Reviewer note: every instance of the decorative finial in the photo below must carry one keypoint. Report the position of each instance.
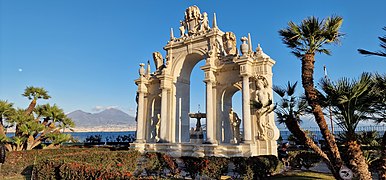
(250, 42)
(171, 34)
(244, 46)
(214, 21)
(258, 49)
(141, 69)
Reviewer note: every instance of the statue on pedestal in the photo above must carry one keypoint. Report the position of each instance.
(235, 122)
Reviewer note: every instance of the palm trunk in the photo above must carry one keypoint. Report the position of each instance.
(313, 100)
(358, 161)
(31, 107)
(382, 169)
(294, 128)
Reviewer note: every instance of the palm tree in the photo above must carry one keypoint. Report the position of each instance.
(305, 40)
(381, 53)
(352, 102)
(6, 110)
(380, 88)
(289, 110)
(34, 93)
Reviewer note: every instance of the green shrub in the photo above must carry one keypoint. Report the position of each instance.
(308, 159)
(256, 167)
(21, 162)
(214, 167)
(89, 165)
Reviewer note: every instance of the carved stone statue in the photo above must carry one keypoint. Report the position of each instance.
(229, 43)
(204, 23)
(158, 60)
(157, 127)
(182, 29)
(265, 106)
(235, 122)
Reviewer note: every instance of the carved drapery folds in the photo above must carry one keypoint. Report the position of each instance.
(263, 104)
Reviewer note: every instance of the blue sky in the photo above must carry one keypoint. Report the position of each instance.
(86, 53)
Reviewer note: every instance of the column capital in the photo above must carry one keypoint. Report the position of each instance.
(142, 88)
(166, 81)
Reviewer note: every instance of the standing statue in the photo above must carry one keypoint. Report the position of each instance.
(229, 43)
(158, 61)
(235, 122)
(157, 127)
(204, 23)
(182, 29)
(264, 106)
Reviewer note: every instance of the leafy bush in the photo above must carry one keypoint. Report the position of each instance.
(21, 162)
(213, 167)
(306, 159)
(256, 167)
(89, 165)
(309, 159)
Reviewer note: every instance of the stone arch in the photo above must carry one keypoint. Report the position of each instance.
(153, 109)
(223, 111)
(182, 92)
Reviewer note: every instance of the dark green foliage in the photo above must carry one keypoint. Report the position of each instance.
(213, 167)
(306, 159)
(256, 167)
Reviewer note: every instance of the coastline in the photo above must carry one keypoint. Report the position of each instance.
(103, 129)
(96, 129)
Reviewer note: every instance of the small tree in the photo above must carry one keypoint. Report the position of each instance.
(36, 124)
(352, 102)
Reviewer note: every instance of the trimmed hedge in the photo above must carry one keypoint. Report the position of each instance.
(101, 163)
(213, 167)
(86, 165)
(21, 162)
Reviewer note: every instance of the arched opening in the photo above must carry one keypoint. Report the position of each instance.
(186, 92)
(154, 110)
(230, 98)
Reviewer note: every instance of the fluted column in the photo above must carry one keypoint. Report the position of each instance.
(246, 110)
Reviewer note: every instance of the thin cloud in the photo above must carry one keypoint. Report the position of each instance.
(102, 108)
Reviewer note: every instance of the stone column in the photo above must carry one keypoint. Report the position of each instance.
(140, 118)
(164, 114)
(210, 138)
(246, 110)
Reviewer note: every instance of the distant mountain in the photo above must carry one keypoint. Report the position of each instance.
(107, 119)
